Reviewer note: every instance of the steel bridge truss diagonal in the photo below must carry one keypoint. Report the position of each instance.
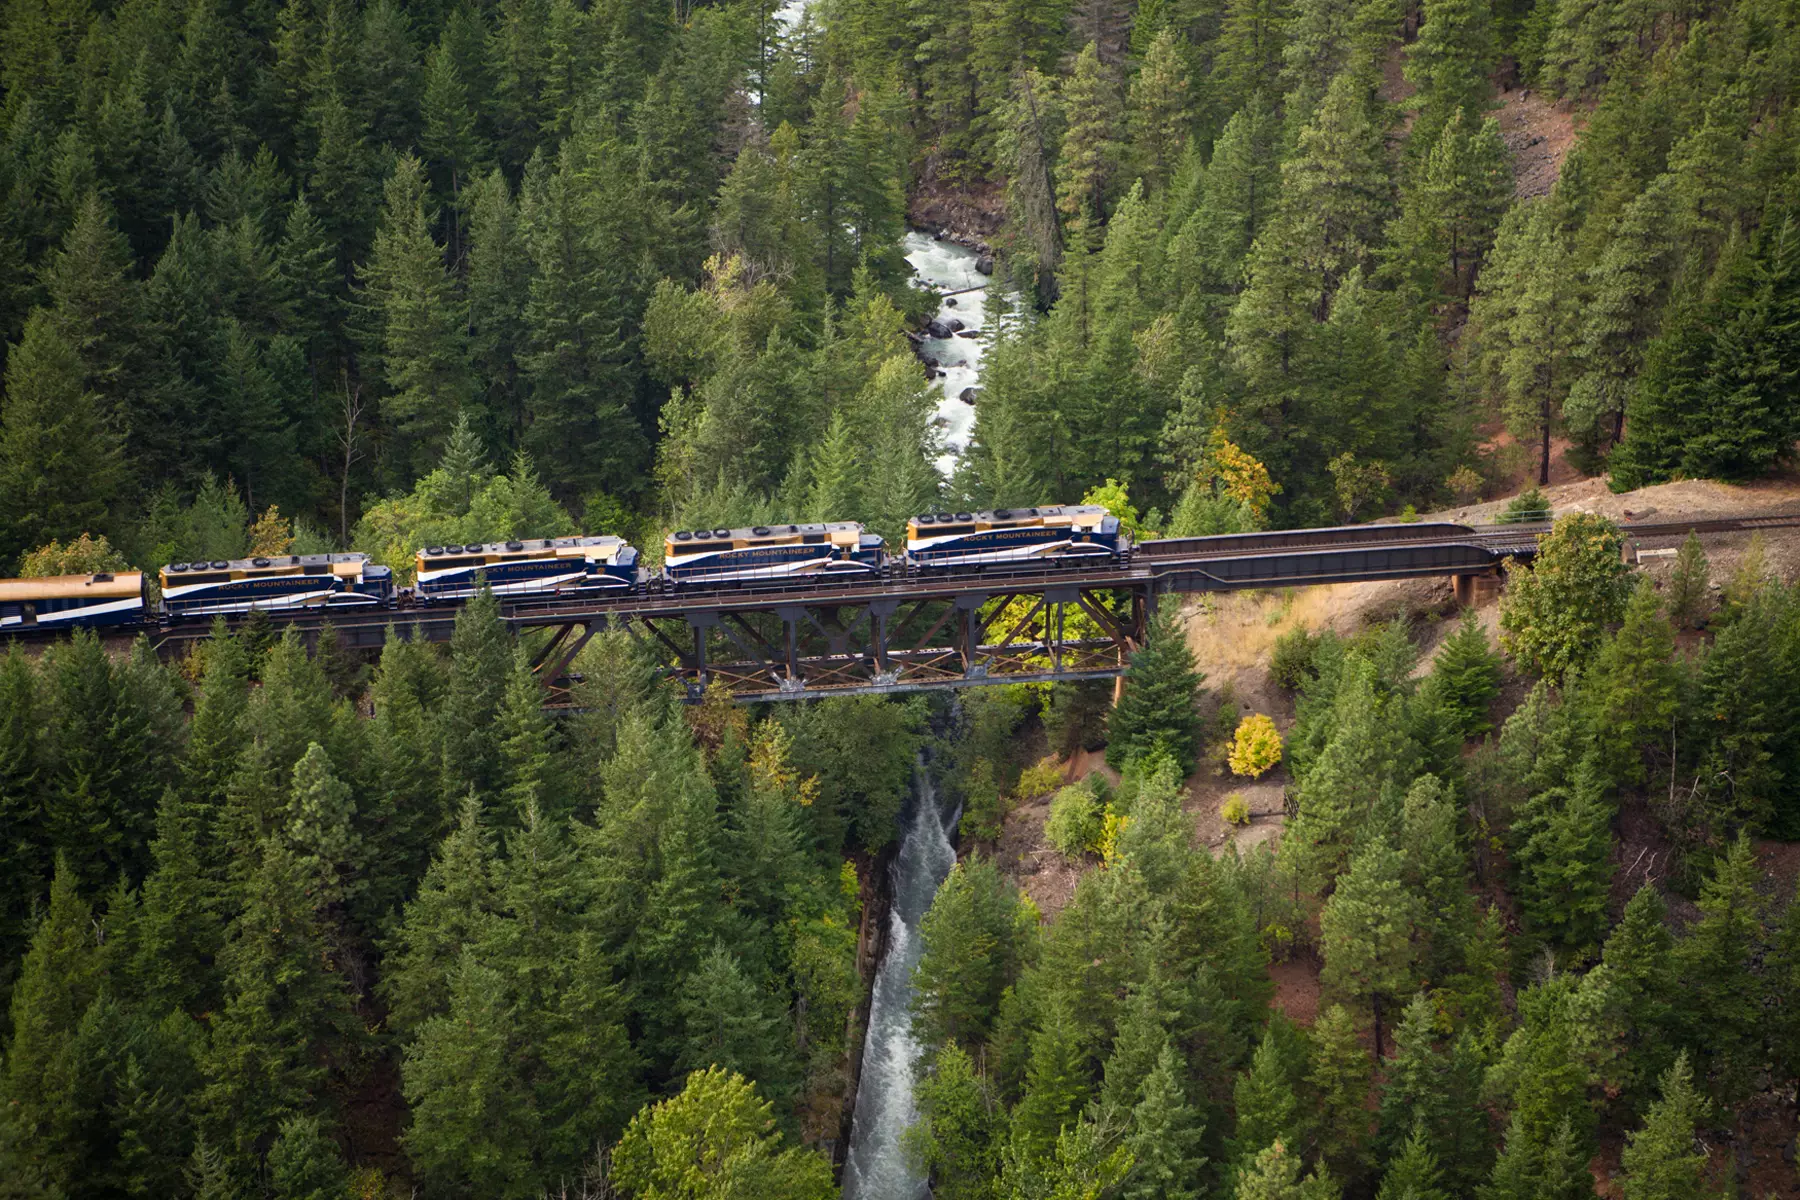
(868, 645)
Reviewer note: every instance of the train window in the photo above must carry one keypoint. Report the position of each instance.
(812, 539)
(949, 530)
(316, 569)
(705, 547)
(446, 564)
(191, 580)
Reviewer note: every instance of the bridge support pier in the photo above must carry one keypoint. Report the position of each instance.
(1473, 590)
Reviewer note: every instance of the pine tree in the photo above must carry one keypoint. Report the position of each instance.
(1160, 112)
(61, 975)
(1057, 1084)
(1449, 64)
(1432, 1096)
(1091, 151)
(1413, 1175)
(419, 331)
(1782, 974)
(1533, 1168)
(1640, 983)
(177, 932)
(1716, 1010)
(471, 1117)
(287, 1007)
(1156, 710)
(1267, 1109)
(732, 1024)
(452, 911)
(971, 937)
(95, 307)
(450, 138)
(1688, 586)
(60, 465)
(1338, 1081)
(958, 1127)
(1467, 672)
(497, 281)
(1365, 932)
(528, 774)
(321, 830)
(25, 851)
(304, 1164)
(1165, 1137)
(1565, 862)
(1661, 1160)
(481, 653)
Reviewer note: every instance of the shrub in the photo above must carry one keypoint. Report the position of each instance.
(1464, 484)
(1526, 508)
(1075, 824)
(1257, 746)
(1236, 810)
(1039, 779)
(1292, 663)
(1409, 514)
(84, 555)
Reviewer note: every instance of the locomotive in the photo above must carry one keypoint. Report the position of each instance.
(1058, 537)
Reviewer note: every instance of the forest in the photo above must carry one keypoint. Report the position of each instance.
(363, 275)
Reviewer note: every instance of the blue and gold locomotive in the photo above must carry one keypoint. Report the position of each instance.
(771, 554)
(1048, 536)
(275, 583)
(550, 567)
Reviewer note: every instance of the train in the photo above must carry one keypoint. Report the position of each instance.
(572, 569)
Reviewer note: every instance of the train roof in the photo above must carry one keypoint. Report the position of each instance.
(344, 564)
(754, 532)
(116, 585)
(1043, 514)
(562, 547)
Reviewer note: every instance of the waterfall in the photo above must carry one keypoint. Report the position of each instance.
(948, 267)
(877, 1168)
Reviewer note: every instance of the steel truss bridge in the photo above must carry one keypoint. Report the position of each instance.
(1003, 625)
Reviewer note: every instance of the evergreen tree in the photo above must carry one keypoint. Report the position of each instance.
(61, 975)
(1267, 1109)
(304, 1164)
(1165, 1137)
(1413, 1175)
(1365, 931)
(286, 1009)
(451, 912)
(419, 331)
(1661, 1161)
(1466, 673)
(481, 653)
(731, 1024)
(1688, 597)
(1635, 687)
(1156, 711)
(1565, 862)
(1716, 1010)
(1160, 108)
(973, 938)
(1541, 1168)
(1338, 1081)
(25, 853)
(1450, 63)
(1091, 152)
(60, 466)
(955, 1137)
(177, 932)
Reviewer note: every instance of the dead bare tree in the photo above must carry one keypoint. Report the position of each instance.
(349, 440)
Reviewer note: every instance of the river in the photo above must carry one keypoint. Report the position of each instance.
(877, 1167)
(947, 267)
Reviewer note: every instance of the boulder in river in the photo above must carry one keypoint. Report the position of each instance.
(985, 264)
(955, 325)
(930, 363)
(949, 301)
(968, 333)
(937, 329)
(968, 394)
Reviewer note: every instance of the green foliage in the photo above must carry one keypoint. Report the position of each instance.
(1661, 1162)
(975, 936)
(1688, 599)
(1554, 614)
(714, 1140)
(1156, 712)
(1074, 825)
(1466, 675)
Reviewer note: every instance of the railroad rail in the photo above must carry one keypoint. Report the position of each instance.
(1012, 624)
